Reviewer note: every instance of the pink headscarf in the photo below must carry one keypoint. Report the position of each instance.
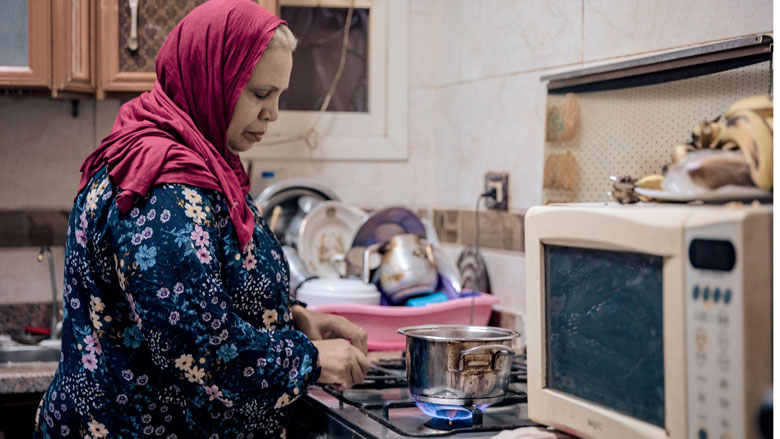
(177, 132)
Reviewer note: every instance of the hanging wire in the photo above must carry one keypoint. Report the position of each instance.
(491, 194)
(311, 136)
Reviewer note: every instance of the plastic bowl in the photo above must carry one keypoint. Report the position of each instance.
(321, 292)
(381, 323)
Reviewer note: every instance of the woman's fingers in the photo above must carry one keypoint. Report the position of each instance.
(363, 362)
(343, 365)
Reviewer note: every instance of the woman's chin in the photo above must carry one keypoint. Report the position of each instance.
(237, 149)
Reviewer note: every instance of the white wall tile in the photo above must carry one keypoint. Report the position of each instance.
(506, 271)
(490, 125)
(448, 39)
(617, 28)
(421, 43)
(506, 36)
(423, 6)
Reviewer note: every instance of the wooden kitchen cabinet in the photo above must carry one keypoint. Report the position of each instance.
(25, 44)
(125, 70)
(74, 46)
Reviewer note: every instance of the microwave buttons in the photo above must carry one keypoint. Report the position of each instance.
(706, 294)
(696, 292)
(716, 295)
(727, 296)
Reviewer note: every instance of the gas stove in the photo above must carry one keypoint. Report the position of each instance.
(382, 407)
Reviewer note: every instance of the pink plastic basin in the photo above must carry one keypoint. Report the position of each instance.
(382, 322)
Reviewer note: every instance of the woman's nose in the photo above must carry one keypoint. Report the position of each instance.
(270, 113)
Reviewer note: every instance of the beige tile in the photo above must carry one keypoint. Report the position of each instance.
(618, 28)
(41, 150)
(505, 36)
(24, 280)
(105, 115)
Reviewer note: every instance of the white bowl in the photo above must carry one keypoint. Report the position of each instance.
(338, 291)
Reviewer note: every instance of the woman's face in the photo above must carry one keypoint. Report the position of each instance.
(258, 102)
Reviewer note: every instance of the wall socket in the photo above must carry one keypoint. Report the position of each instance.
(500, 182)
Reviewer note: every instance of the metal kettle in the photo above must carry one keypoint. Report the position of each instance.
(408, 267)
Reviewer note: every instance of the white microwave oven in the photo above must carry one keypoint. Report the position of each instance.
(649, 321)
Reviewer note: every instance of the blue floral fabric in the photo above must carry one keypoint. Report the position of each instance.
(170, 329)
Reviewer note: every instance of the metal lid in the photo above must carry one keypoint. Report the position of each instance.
(459, 333)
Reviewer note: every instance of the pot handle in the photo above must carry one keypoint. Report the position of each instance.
(500, 350)
(429, 254)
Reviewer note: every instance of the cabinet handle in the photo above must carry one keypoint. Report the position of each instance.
(132, 41)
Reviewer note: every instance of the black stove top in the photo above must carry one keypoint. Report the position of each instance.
(382, 407)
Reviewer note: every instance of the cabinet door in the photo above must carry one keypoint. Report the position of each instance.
(122, 69)
(26, 43)
(74, 26)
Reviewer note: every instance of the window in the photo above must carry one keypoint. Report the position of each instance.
(367, 116)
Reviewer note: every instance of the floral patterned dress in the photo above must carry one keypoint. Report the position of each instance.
(170, 329)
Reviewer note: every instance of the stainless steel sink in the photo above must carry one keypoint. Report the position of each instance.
(28, 353)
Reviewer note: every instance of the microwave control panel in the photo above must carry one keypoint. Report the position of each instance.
(714, 332)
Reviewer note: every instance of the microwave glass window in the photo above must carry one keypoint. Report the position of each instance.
(604, 315)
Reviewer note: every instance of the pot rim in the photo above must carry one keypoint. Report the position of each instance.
(409, 331)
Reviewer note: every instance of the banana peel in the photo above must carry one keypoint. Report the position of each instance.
(650, 182)
(761, 105)
(753, 134)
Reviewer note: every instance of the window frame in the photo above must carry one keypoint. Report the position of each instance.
(379, 134)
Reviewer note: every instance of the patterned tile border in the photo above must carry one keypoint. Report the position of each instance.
(15, 316)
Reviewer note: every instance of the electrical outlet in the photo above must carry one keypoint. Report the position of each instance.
(500, 182)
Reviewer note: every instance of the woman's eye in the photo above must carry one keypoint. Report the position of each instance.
(262, 96)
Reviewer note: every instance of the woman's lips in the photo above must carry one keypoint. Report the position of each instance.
(255, 136)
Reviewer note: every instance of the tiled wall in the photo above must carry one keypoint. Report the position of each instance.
(475, 105)
(41, 149)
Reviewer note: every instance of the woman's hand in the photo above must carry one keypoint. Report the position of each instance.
(343, 365)
(321, 326)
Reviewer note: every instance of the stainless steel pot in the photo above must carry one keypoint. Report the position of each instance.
(458, 364)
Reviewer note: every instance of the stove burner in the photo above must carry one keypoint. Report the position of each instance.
(447, 425)
(384, 398)
(450, 412)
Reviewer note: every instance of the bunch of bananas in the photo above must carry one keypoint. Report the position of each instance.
(747, 127)
(749, 124)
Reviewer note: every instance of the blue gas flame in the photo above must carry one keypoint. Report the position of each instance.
(449, 412)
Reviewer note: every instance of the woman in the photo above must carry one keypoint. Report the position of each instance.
(177, 321)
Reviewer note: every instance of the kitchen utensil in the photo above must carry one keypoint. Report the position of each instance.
(338, 292)
(408, 267)
(383, 224)
(381, 323)
(298, 271)
(132, 39)
(325, 232)
(458, 364)
(447, 269)
(285, 194)
(473, 270)
(356, 259)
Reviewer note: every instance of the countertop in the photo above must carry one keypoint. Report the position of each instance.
(27, 377)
